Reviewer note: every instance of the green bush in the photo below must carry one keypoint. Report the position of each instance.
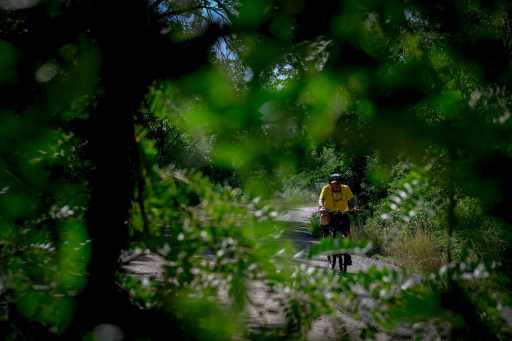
(479, 235)
(404, 223)
(296, 190)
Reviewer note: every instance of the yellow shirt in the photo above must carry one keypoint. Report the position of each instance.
(336, 201)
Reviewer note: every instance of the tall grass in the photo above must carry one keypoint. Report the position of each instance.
(415, 246)
(416, 251)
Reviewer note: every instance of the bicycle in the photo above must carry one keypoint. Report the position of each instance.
(339, 226)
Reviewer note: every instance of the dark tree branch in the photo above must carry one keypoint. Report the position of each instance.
(228, 13)
(140, 183)
(177, 12)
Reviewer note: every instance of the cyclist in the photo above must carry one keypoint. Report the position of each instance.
(335, 201)
(335, 197)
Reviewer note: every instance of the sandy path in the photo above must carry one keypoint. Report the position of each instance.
(266, 311)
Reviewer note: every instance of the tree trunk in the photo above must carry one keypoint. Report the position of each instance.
(119, 28)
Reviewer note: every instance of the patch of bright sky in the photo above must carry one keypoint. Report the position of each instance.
(281, 74)
(211, 13)
(223, 50)
(413, 17)
(217, 14)
(248, 74)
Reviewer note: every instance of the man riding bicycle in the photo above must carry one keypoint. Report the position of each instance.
(336, 200)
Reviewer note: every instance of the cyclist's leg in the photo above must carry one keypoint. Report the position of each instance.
(347, 259)
(333, 236)
(325, 220)
(324, 230)
(345, 224)
(336, 232)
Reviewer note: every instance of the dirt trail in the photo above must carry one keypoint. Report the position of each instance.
(299, 233)
(266, 312)
(327, 327)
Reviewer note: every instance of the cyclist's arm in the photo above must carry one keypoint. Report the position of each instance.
(352, 202)
(321, 200)
(352, 205)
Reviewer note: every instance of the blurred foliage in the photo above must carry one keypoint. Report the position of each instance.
(187, 124)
